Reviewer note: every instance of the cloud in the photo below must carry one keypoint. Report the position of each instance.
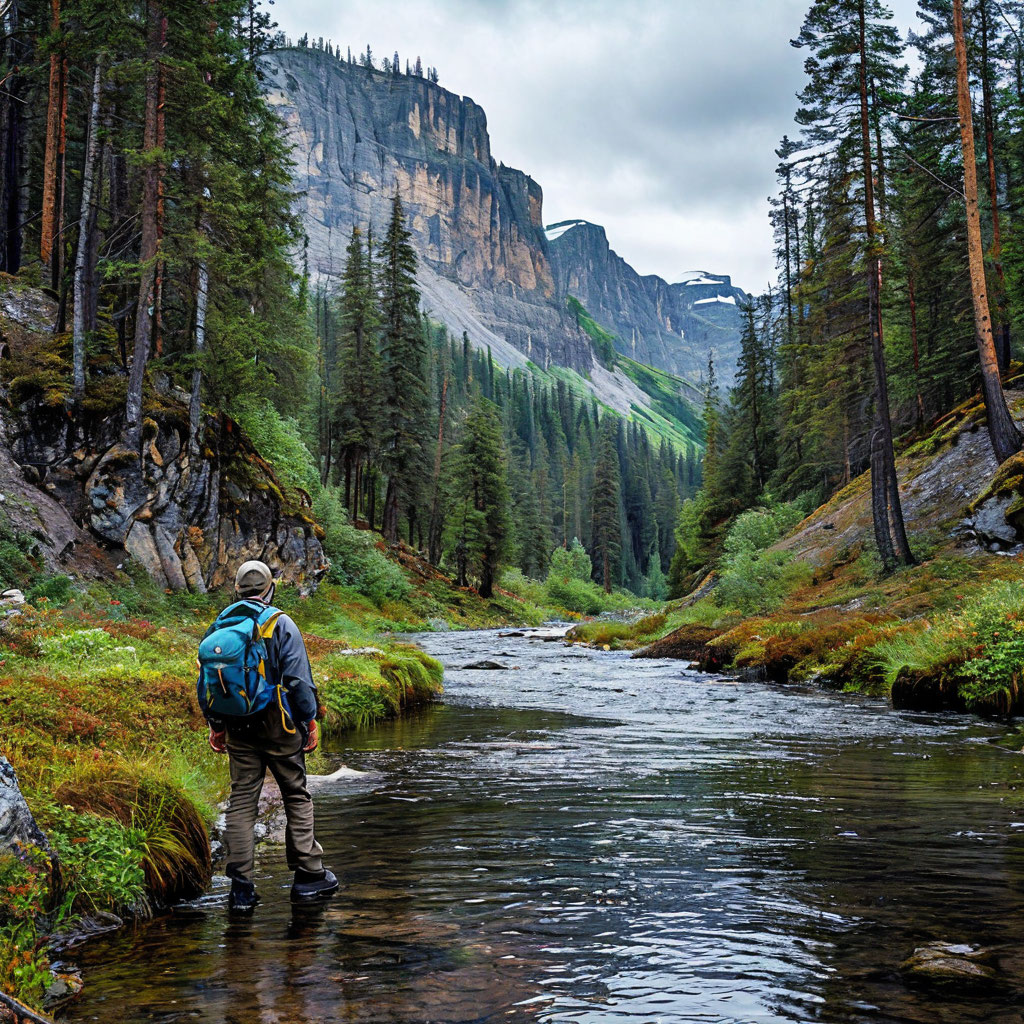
(658, 119)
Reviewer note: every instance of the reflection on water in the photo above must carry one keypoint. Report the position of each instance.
(586, 838)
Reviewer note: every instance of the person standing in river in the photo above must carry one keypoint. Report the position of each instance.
(257, 694)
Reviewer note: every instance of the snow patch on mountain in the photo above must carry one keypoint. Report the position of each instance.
(553, 231)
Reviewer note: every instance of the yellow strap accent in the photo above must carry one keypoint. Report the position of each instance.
(262, 669)
(284, 714)
(267, 629)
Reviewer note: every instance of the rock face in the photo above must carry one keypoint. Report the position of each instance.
(189, 518)
(671, 326)
(86, 501)
(361, 135)
(486, 264)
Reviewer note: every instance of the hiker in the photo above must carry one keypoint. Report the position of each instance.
(256, 691)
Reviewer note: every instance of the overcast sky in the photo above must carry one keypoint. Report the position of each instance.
(656, 118)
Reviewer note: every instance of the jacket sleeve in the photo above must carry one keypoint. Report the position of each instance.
(287, 653)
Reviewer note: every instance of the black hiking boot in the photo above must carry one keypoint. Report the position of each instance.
(243, 898)
(310, 887)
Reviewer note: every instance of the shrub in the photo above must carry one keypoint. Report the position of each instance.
(56, 590)
(516, 582)
(279, 441)
(574, 595)
(17, 552)
(100, 860)
(356, 561)
(572, 562)
(753, 578)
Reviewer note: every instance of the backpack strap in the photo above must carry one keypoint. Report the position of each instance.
(267, 623)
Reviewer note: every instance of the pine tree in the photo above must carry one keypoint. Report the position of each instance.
(403, 345)
(479, 525)
(356, 412)
(606, 529)
(855, 54)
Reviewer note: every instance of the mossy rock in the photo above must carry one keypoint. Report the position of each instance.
(687, 643)
(1007, 480)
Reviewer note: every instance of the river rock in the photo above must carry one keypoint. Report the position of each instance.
(944, 963)
(486, 666)
(336, 781)
(990, 526)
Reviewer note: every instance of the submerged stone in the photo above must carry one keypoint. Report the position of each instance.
(944, 963)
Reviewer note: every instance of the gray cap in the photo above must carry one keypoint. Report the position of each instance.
(253, 579)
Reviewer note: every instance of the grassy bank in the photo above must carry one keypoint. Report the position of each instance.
(948, 633)
(801, 597)
(99, 719)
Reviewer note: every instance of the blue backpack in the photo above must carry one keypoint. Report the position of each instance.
(232, 656)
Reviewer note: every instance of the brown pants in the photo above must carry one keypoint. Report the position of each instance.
(253, 749)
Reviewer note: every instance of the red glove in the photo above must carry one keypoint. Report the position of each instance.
(312, 737)
(218, 741)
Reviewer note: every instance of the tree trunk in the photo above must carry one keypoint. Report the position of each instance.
(607, 571)
(11, 148)
(1006, 438)
(879, 152)
(1002, 329)
(389, 527)
(57, 279)
(161, 140)
(150, 225)
(48, 222)
(486, 576)
(789, 260)
(91, 277)
(880, 498)
(912, 290)
(195, 404)
(84, 240)
(885, 495)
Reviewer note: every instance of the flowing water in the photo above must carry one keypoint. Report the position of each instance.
(585, 838)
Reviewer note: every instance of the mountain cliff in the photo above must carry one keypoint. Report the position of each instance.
(487, 266)
(671, 326)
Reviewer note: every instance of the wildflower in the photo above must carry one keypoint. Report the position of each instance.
(112, 601)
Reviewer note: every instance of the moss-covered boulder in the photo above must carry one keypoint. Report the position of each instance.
(996, 516)
(687, 643)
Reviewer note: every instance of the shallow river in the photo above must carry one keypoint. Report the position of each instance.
(586, 838)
